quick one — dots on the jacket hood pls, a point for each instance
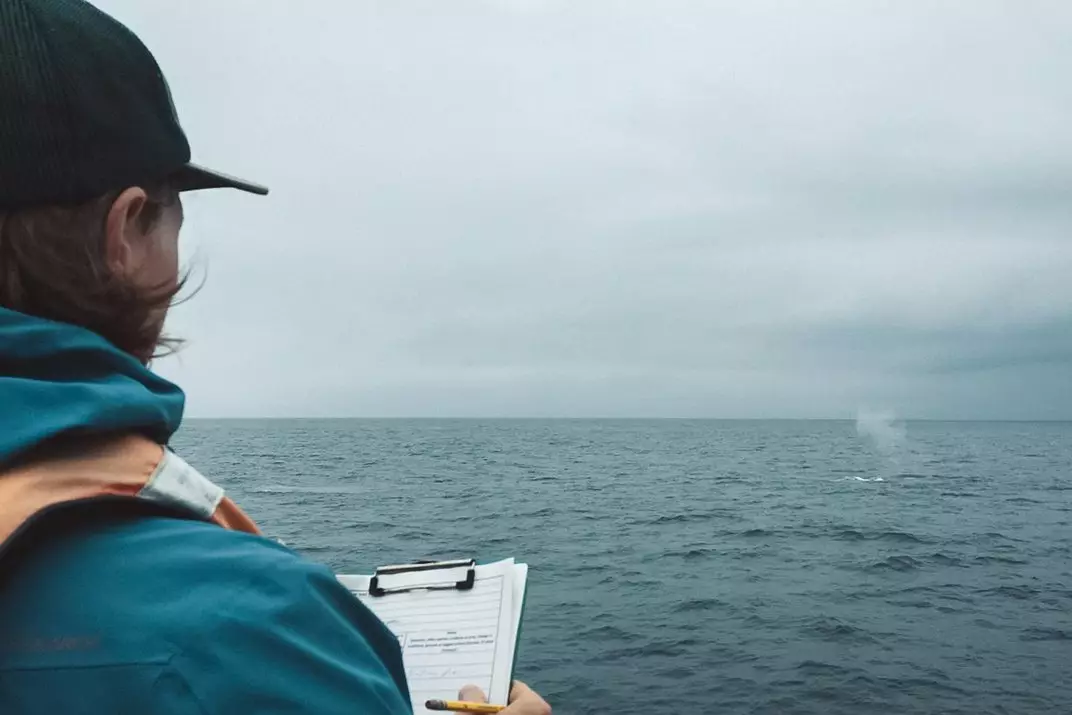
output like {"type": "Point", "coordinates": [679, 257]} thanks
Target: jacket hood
{"type": "Point", "coordinates": [58, 379]}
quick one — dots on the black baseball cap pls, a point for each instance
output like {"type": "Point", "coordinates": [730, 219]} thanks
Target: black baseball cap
{"type": "Point", "coordinates": [85, 109]}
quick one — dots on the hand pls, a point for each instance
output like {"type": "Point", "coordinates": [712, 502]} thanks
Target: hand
{"type": "Point", "coordinates": [523, 701]}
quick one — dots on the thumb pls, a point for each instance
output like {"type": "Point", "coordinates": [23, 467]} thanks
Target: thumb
{"type": "Point", "coordinates": [472, 694]}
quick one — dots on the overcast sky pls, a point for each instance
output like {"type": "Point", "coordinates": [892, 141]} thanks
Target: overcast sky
{"type": "Point", "coordinates": [568, 208]}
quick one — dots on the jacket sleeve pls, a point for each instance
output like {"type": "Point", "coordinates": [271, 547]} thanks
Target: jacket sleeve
{"type": "Point", "coordinates": [294, 640]}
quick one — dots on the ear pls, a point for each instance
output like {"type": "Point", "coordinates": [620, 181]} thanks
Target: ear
{"type": "Point", "coordinates": [123, 233]}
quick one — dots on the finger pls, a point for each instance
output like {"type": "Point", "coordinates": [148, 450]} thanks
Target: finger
{"type": "Point", "coordinates": [523, 701]}
{"type": "Point", "coordinates": [472, 694]}
{"type": "Point", "coordinates": [519, 690]}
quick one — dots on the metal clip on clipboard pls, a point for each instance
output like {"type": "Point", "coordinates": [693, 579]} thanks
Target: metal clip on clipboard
{"type": "Point", "coordinates": [424, 576]}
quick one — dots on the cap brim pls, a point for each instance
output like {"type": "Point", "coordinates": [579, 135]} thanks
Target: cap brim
{"type": "Point", "coordinates": [194, 178]}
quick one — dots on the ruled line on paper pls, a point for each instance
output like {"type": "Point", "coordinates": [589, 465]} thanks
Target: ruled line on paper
{"type": "Point", "coordinates": [448, 638]}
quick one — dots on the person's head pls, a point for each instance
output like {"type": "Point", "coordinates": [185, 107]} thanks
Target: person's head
{"type": "Point", "coordinates": [92, 164]}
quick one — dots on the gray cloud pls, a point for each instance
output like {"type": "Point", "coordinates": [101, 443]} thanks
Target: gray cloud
{"type": "Point", "coordinates": [626, 208]}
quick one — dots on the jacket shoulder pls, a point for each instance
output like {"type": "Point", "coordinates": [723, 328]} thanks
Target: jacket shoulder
{"type": "Point", "coordinates": [247, 624]}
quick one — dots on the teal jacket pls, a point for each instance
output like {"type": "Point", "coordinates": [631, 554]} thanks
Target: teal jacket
{"type": "Point", "coordinates": [118, 608]}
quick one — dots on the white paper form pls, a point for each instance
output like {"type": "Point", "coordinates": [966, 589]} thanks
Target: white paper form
{"type": "Point", "coordinates": [451, 638]}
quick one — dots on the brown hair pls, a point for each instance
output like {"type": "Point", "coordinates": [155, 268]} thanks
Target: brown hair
{"type": "Point", "coordinates": [53, 265]}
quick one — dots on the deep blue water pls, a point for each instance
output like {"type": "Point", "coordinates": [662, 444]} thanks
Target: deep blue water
{"type": "Point", "coordinates": [723, 567]}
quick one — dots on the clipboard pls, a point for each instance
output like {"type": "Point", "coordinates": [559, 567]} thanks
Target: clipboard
{"type": "Point", "coordinates": [457, 621]}
{"type": "Point", "coordinates": [432, 571]}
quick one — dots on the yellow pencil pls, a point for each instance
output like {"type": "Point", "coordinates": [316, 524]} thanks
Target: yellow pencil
{"type": "Point", "coordinates": [458, 706]}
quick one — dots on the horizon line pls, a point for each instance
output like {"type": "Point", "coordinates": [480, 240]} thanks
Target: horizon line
{"type": "Point", "coordinates": [614, 419]}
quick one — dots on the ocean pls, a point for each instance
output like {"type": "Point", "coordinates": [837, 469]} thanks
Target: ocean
{"type": "Point", "coordinates": [710, 566]}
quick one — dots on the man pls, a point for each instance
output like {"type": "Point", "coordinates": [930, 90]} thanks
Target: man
{"type": "Point", "coordinates": [128, 582]}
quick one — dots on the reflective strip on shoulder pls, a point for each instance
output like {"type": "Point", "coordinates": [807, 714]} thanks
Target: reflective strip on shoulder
{"type": "Point", "coordinates": [175, 483]}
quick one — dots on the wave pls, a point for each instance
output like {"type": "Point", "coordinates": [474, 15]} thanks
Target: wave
{"type": "Point", "coordinates": [340, 489]}
{"type": "Point", "coordinates": [836, 631]}
{"type": "Point", "coordinates": [817, 667]}
{"type": "Point", "coordinates": [905, 563]}
{"type": "Point", "coordinates": [1020, 593]}
{"type": "Point", "coordinates": [687, 517]}
{"type": "Point", "coordinates": [946, 560]}
{"type": "Point", "coordinates": [1046, 634]}
{"type": "Point", "coordinates": [837, 533]}
{"type": "Point", "coordinates": [314, 549]}
{"type": "Point", "coordinates": [700, 604]}
{"type": "Point", "coordinates": [903, 537]}
{"type": "Point", "coordinates": [546, 511]}
{"type": "Point", "coordinates": [999, 535]}
{"type": "Point", "coordinates": [985, 560]}
{"type": "Point", "coordinates": [676, 672]}
{"type": "Point", "coordinates": [899, 475]}
{"type": "Point", "coordinates": [667, 648]}
{"type": "Point", "coordinates": [921, 603]}
{"type": "Point", "coordinates": [606, 633]}
{"type": "Point", "coordinates": [897, 562]}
